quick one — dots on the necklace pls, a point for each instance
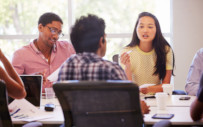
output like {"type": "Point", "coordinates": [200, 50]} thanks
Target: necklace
{"type": "Point", "coordinates": [48, 56]}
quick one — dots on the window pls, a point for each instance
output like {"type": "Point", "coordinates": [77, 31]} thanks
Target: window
{"type": "Point", "coordinates": [18, 19]}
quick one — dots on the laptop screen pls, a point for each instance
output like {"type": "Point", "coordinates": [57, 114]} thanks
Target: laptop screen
{"type": "Point", "coordinates": [33, 86]}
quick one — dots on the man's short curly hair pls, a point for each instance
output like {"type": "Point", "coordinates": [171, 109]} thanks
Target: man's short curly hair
{"type": "Point", "coordinates": [48, 17]}
{"type": "Point", "coordinates": [86, 33]}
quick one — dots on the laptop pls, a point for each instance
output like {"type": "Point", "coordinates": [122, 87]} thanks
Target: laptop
{"type": "Point", "coordinates": [33, 86]}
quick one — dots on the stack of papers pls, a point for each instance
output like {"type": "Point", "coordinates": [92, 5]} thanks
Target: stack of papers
{"type": "Point", "coordinates": [25, 111]}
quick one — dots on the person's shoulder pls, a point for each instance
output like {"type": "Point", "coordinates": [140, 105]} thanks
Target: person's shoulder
{"type": "Point", "coordinates": [73, 57]}
{"type": "Point", "coordinates": [64, 43]}
{"type": "Point", "coordinates": [199, 53]}
{"type": "Point", "coordinates": [71, 60]}
{"type": "Point", "coordinates": [24, 52]}
{"type": "Point", "coordinates": [127, 48]}
{"type": "Point", "coordinates": [168, 48]}
{"type": "Point", "coordinates": [114, 67]}
{"type": "Point", "coordinates": [23, 49]}
{"type": "Point", "coordinates": [111, 64]}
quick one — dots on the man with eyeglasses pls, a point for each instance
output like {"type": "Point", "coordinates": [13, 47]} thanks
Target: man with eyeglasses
{"type": "Point", "coordinates": [45, 54]}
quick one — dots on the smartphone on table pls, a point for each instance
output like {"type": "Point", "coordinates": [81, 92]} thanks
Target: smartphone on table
{"type": "Point", "coordinates": [162, 116]}
{"type": "Point", "coordinates": [184, 98]}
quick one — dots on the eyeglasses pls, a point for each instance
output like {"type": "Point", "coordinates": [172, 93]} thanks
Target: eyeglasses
{"type": "Point", "coordinates": [55, 31]}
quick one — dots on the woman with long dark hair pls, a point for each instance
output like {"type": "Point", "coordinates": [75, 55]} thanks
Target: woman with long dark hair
{"type": "Point", "coordinates": [148, 58]}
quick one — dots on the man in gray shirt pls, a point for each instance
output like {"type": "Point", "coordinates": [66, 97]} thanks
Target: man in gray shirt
{"type": "Point", "coordinates": [195, 72]}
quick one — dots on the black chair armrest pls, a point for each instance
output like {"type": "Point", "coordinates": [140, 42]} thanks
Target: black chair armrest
{"type": "Point", "coordinates": [179, 92]}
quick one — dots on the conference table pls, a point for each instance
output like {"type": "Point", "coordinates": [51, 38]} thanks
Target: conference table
{"type": "Point", "coordinates": [56, 117]}
{"type": "Point", "coordinates": [172, 101]}
{"type": "Point", "coordinates": [180, 109]}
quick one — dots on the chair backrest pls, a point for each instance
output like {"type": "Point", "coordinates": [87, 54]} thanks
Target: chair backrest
{"type": "Point", "coordinates": [5, 119]}
{"type": "Point", "coordinates": [179, 92]}
{"type": "Point", "coordinates": [115, 58]}
{"type": "Point", "coordinates": [100, 103]}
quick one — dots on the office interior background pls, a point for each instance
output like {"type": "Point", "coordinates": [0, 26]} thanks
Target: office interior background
{"type": "Point", "coordinates": [181, 23]}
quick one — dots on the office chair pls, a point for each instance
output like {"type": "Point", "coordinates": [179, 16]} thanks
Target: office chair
{"type": "Point", "coordinates": [100, 103]}
{"type": "Point", "coordinates": [179, 92]}
{"type": "Point", "coordinates": [115, 58]}
{"type": "Point", "coordinates": [5, 119]}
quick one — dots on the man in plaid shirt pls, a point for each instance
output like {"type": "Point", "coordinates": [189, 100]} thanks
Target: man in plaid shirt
{"type": "Point", "coordinates": [88, 39]}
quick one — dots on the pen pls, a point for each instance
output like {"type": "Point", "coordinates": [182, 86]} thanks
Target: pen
{"type": "Point", "coordinates": [18, 116]}
{"type": "Point", "coordinates": [129, 52]}
{"type": "Point", "coordinates": [26, 116]}
{"type": "Point", "coordinates": [15, 112]}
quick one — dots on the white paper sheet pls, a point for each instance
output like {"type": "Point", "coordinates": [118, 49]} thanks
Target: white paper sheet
{"type": "Point", "coordinates": [54, 76]}
{"type": "Point", "coordinates": [25, 111]}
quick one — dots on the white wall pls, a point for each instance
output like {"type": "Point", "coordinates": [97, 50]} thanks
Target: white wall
{"type": "Point", "coordinates": [187, 36]}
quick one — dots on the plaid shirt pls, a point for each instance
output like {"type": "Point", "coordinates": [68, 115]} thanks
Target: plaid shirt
{"type": "Point", "coordinates": [89, 66]}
